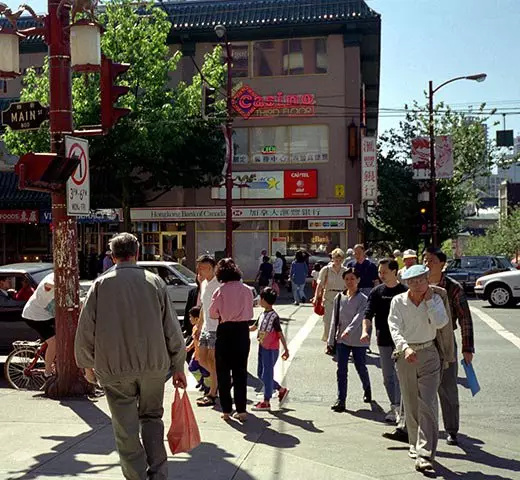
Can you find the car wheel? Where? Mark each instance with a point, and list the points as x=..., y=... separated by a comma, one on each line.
x=500, y=295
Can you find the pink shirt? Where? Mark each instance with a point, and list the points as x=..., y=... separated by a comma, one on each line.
x=232, y=302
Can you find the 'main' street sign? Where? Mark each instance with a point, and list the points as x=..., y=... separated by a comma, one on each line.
x=25, y=115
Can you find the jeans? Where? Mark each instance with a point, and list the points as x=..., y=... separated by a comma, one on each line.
x=360, y=362
x=231, y=352
x=390, y=379
x=266, y=362
x=298, y=292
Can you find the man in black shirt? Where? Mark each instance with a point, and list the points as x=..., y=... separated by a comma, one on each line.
x=365, y=268
x=378, y=308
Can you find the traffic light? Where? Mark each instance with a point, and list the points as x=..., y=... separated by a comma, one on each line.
x=424, y=219
x=208, y=101
x=44, y=171
x=110, y=93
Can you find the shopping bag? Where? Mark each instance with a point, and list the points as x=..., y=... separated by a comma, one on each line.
x=183, y=434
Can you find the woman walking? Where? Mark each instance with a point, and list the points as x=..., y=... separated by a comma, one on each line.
x=299, y=272
x=232, y=304
x=345, y=334
x=330, y=283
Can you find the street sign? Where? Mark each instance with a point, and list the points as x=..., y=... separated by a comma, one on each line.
x=25, y=115
x=78, y=185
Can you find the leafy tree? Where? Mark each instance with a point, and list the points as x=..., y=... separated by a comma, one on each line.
x=163, y=143
x=396, y=213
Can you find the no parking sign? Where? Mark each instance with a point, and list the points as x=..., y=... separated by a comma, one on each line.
x=78, y=185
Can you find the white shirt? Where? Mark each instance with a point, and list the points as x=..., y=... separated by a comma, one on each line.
x=278, y=266
x=207, y=289
x=415, y=324
x=36, y=307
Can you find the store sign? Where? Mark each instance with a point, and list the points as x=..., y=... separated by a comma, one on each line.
x=327, y=224
x=279, y=244
x=368, y=169
x=100, y=215
x=18, y=216
x=247, y=103
x=443, y=157
x=268, y=212
x=278, y=184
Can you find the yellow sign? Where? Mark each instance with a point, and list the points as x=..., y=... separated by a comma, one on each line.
x=339, y=191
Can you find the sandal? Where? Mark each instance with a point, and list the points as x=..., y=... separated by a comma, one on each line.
x=207, y=401
x=226, y=417
x=241, y=417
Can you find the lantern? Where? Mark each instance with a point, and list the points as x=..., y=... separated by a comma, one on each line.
x=352, y=141
x=85, y=46
x=9, y=53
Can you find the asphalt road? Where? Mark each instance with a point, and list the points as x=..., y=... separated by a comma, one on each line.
x=305, y=439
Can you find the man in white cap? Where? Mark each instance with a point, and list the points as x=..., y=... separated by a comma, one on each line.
x=409, y=260
x=415, y=316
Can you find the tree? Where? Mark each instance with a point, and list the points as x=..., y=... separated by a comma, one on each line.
x=397, y=213
x=163, y=143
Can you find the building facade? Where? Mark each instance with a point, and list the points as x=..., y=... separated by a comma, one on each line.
x=305, y=74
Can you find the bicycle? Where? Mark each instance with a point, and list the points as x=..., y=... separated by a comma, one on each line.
x=24, y=367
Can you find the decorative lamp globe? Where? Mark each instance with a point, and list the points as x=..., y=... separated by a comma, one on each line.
x=9, y=53
x=85, y=46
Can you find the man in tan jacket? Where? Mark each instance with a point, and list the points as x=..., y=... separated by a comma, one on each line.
x=128, y=337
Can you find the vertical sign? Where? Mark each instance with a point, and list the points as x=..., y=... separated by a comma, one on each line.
x=368, y=169
x=78, y=185
x=443, y=157
x=279, y=244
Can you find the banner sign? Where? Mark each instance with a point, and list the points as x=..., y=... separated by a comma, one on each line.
x=271, y=184
x=18, y=216
x=368, y=169
x=443, y=157
x=279, y=244
x=289, y=212
x=101, y=215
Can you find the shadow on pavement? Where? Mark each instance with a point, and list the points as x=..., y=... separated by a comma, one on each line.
x=376, y=413
x=307, y=425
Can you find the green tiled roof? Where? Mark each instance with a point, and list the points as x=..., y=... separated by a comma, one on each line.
x=11, y=197
x=204, y=15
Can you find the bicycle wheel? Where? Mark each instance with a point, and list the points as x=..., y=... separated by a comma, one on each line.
x=15, y=369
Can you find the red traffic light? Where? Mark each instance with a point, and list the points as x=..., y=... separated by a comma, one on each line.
x=110, y=93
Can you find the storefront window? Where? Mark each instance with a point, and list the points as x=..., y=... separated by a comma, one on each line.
x=309, y=143
x=241, y=145
x=270, y=144
x=240, y=60
x=304, y=56
x=315, y=242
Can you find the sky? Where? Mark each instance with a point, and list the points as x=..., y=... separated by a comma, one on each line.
x=437, y=40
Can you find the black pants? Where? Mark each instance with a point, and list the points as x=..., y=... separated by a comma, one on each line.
x=231, y=352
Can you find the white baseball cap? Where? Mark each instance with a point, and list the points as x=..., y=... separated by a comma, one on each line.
x=410, y=254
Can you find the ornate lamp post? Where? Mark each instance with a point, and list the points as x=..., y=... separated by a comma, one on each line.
x=480, y=77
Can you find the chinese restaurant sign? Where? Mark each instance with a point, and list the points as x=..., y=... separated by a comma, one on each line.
x=18, y=216
x=278, y=184
x=443, y=157
x=368, y=169
x=247, y=103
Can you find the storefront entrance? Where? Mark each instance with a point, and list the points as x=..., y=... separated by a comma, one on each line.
x=172, y=245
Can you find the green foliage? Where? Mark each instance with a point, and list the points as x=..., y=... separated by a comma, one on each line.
x=397, y=210
x=501, y=239
x=163, y=143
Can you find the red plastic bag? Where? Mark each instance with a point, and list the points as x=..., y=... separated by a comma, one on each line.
x=319, y=308
x=183, y=434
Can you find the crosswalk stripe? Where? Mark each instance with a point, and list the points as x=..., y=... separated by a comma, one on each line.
x=491, y=322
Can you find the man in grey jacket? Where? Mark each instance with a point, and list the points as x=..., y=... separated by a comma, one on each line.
x=129, y=336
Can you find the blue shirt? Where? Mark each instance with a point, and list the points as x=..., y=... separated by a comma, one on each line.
x=367, y=272
x=299, y=271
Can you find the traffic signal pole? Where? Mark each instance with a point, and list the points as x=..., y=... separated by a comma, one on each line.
x=229, y=150
x=433, y=172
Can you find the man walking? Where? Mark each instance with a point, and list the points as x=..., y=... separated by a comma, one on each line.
x=435, y=260
x=365, y=268
x=415, y=316
x=409, y=260
x=128, y=337
x=378, y=308
x=206, y=269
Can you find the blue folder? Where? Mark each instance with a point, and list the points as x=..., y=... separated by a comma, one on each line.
x=471, y=377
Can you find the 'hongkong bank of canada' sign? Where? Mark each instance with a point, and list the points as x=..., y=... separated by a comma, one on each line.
x=247, y=103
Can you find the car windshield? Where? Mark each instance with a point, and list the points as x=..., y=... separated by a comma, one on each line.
x=185, y=272
x=475, y=263
x=504, y=262
x=39, y=276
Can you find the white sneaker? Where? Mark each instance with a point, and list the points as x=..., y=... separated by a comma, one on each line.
x=412, y=452
x=391, y=417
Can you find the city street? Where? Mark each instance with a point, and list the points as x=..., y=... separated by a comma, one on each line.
x=41, y=439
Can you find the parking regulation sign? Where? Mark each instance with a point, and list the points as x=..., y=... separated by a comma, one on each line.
x=78, y=185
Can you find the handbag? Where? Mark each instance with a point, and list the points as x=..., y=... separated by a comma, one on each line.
x=318, y=307
x=183, y=434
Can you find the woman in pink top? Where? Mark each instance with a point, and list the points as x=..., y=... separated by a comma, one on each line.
x=232, y=304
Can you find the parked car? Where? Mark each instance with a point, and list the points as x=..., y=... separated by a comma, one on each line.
x=499, y=289
x=466, y=270
x=12, y=327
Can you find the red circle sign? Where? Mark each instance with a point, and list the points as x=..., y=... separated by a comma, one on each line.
x=80, y=174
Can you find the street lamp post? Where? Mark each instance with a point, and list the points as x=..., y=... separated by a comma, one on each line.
x=221, y=33
x=480, y=77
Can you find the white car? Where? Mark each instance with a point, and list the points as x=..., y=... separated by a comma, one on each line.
x=500, y=289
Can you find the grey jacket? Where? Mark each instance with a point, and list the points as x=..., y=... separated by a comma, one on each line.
x=127, y=327
x=350, y=319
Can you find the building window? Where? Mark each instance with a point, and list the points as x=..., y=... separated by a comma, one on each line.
x=284, y=144
x=240, y=53
x=304, y=56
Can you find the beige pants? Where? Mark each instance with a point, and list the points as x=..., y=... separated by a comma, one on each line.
x=137, y=405
x=419, y=383
x=328, y=303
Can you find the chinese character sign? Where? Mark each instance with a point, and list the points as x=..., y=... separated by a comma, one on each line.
x=368, y=169
x=443, y=157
